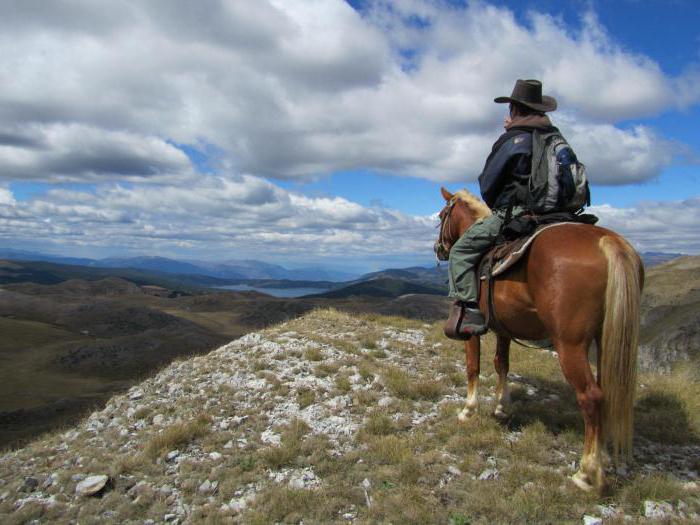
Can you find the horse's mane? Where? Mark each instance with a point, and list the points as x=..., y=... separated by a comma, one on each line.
x=475, y=204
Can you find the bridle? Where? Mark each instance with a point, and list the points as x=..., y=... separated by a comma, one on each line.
x=442, y=252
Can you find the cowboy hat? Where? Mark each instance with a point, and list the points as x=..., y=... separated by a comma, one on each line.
x=529, y=93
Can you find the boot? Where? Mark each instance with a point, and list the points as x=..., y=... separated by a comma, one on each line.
x=465, y=320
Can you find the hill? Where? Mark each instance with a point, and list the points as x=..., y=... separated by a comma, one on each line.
x=671, y=314
x=382, y=287
x=333, y=418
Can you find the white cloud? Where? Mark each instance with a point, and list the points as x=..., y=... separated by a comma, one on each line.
x=292, y=89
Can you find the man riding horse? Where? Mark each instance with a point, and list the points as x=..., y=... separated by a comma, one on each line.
x=504, y=185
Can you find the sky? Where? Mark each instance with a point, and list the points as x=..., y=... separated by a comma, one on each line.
x=320, y=131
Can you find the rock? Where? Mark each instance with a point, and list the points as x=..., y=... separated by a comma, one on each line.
x=592, y=520
x=30, y=485
x=208, y=486
x=158, y=419
x=169, y=517
x=77, y=477
x=607, y=511
x=136, y=394
x=215, y=456
x=385, y=401
x=657, y=509
x=488, y=474
x=452, y=469
x=172, y=455
x=229, y=444
x=91, y=485
x=237, y=505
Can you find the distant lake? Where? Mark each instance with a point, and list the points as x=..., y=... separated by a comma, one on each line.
x=276, y=292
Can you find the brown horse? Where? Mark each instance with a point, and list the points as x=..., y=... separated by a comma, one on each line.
x=578, y=284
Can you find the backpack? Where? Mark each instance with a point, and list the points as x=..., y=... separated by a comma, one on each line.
x=558, y=180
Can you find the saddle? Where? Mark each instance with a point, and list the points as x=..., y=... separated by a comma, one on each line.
x=512, y=245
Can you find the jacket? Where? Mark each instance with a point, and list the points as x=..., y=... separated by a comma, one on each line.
x=504, y=180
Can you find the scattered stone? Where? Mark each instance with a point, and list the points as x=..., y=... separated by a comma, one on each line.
x=229, y=444
x=92, y=485
x=592, y=520
x=452, y=469
x=158, y=420
x=30, y=485
x=136, y=394
x=657, y=509
x=77, y=477
x=237, y=505
x=170, y=517
x=488, y=474
x=172, y=455
x=385, y=401
x=215, y=456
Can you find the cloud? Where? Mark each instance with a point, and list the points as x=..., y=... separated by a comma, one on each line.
x=72, y=152
x=241, y=216
x=669, y=226
x=292, y=89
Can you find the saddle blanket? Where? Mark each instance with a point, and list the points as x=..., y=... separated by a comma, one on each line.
x=510, y=253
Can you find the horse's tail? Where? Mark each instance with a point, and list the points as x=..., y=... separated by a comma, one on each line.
x=619, y=341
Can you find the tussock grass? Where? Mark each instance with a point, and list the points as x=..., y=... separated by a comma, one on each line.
x=408, y=386
x=313, y=354
x=177, y=435
x=305, y=397
x=390, y=450
x=378, y=424
x=290, y=448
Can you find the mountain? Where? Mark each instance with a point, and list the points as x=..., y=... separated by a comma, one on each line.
x=382, y=287
x=651, y=259
x=230, y=270
x=350, y=419
x=432, y=275
x=670, y=329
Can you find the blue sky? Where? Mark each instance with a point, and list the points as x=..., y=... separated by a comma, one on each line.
x=298, y=131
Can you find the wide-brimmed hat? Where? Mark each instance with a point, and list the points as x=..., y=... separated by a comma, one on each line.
x=529, y=93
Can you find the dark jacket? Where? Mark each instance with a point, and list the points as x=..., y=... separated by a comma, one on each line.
x=504, y=181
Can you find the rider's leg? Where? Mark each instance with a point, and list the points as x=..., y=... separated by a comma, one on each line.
x=464, y=258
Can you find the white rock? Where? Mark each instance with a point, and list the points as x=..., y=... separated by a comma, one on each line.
x=229, y=444
x=657, y=509
x=385, y=401
x=172, y=455
x=91, y=485
x=216, y=456
x=592, y=520
x=488, y=474
x=136, y=394
x=454, y=470
x=238, y=504
x=271, y=438
x=205, y=487
x=158, y=419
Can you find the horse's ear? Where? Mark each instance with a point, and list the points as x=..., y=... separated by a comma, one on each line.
x=446, y=194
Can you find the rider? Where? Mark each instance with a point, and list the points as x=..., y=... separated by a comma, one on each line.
x=504, y=187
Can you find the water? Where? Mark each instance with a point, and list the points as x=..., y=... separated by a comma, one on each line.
x=276, y=292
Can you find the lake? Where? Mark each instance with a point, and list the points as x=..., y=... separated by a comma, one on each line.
x=276, y=292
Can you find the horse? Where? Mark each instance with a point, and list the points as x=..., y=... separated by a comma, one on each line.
x=577, y=284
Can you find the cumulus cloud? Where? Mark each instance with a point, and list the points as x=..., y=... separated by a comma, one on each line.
x=647, y=224
x=293, y=89
x=239, y=216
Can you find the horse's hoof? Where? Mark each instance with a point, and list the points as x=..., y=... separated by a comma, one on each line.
x=581, y=480
x=500, y=413
x=465, y=414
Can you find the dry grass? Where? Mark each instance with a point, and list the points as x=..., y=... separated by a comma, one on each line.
x=177, y=435
x=408, y=386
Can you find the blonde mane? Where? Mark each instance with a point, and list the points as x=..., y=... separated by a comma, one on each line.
x=478, y=207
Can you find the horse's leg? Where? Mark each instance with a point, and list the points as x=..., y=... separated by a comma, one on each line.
x=501, y=364
x=472, y=348
x=573, y=359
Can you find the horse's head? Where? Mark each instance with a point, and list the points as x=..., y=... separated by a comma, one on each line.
x=462, y=209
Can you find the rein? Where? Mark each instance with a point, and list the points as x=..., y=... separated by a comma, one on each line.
x=441, y=251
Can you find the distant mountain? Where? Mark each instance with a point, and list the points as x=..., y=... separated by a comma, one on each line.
x=655, y=258
x=431, y=276
x=670, y=328
x=233, y=269
x=381, y=287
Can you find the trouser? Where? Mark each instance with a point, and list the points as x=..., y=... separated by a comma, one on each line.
x=468, y=250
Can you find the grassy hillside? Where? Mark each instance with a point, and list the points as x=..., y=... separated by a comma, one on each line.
x=671, y=314
x=332, y=418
